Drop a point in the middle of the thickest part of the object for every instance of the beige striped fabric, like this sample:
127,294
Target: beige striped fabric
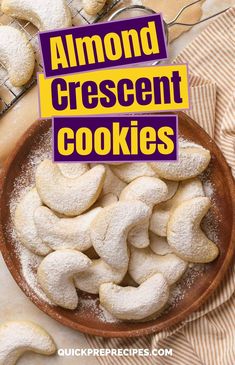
211,61
207,337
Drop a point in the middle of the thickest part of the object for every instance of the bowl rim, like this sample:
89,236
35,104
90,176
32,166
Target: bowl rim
152,328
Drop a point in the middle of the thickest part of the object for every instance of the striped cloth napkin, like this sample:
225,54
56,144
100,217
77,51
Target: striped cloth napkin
207,337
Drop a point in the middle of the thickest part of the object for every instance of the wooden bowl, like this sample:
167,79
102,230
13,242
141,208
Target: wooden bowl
86,320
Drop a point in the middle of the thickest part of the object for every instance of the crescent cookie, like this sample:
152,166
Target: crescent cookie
44,14
92,7
25,224
145,263
16,55
184,233
132,170
66,195
61,233
98,273
192,161
18,337
55,276
110,228
129,303
149,190
188,189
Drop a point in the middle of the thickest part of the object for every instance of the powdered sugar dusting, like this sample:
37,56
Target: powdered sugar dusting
106,316
90,304
177,293
29,262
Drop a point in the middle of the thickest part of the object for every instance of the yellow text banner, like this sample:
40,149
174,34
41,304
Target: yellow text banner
111,91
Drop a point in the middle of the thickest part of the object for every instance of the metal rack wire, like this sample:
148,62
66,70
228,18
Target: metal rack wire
9,94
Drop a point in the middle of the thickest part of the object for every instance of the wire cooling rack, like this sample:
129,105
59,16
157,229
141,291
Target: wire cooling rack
9,94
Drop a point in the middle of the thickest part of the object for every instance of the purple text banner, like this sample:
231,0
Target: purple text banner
103,45
115,138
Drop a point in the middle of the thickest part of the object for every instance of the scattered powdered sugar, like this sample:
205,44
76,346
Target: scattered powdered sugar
106,316
177,293
90,304
209,189
210,226
29,262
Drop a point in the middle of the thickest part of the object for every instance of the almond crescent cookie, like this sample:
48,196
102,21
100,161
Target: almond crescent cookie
185,235
192,161
55,275
18,337
188,189
145,263
149,190
110,229
61,233
44,14
16,55
129,303
66,195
